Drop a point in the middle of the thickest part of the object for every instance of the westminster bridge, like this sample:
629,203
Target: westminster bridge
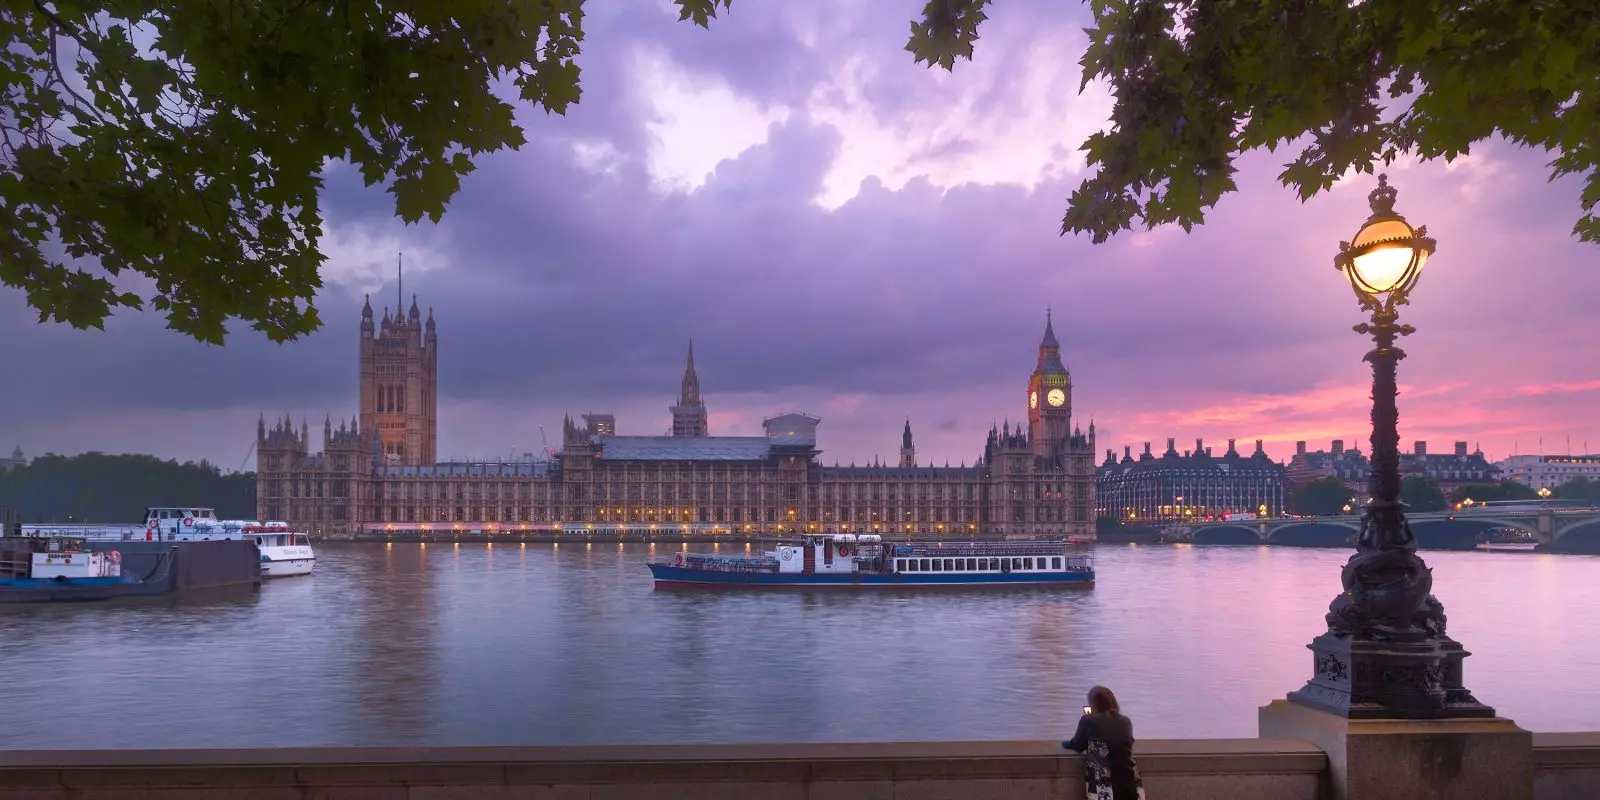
1573,530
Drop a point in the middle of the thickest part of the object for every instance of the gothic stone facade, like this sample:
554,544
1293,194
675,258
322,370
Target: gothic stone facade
1037,480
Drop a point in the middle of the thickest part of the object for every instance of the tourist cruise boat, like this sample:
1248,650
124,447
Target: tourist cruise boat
850,561
284,552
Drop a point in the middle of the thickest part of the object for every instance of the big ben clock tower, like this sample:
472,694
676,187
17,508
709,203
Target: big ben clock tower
1049,396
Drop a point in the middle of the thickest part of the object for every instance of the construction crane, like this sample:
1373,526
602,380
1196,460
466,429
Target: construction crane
546,441
247,455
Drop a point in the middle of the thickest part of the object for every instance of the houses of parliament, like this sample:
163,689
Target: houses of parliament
377,472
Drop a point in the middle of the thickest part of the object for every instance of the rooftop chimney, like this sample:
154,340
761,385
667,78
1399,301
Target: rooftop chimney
1338,447
1461,448
1421,448
1127,451
1199,446
1299,448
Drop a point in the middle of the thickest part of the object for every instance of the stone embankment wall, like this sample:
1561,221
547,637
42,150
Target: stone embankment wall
1567,766
1219,769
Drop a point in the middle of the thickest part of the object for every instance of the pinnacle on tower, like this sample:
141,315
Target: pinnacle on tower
1050,349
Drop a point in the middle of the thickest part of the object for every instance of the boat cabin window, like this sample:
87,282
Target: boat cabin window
1027,563
1055,563
925,566
299,540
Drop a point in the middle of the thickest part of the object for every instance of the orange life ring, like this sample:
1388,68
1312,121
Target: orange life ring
845,550
115,556
188,522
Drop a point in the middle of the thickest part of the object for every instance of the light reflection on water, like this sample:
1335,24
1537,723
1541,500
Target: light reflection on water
537,644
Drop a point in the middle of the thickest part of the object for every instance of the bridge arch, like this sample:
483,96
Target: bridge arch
1314,533
1462,532
1579,537
1241,533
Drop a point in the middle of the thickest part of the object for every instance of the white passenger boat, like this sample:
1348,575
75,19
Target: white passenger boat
284,551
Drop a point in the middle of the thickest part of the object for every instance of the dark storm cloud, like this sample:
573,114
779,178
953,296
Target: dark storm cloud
563,283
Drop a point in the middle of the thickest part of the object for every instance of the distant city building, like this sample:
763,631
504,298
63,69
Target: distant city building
1349,466
372,472
1193,485
16,461
1352,467
1450,470
1549,472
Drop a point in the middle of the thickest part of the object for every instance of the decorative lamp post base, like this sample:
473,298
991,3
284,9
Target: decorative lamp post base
1363,679
1386,655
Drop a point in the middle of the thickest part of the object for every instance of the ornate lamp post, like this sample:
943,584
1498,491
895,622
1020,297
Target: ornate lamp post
1386,655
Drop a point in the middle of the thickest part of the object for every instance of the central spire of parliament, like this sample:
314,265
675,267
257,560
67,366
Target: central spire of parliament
689,415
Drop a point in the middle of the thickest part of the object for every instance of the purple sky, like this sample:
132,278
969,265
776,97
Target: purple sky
849,234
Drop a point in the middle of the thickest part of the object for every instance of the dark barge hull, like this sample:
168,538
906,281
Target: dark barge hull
91,590
152,569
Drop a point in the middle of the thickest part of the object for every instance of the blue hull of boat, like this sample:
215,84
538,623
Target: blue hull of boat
669,576
76,590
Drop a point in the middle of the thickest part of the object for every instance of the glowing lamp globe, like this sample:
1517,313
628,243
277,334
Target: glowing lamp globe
1386,256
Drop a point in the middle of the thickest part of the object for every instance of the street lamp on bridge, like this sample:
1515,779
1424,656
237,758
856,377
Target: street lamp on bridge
1385,654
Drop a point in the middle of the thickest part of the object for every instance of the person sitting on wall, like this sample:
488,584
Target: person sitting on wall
1105,738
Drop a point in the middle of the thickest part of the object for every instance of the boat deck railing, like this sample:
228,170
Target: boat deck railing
721,563
979,549
92,533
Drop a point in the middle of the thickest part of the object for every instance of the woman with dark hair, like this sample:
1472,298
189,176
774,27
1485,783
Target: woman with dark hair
1105,738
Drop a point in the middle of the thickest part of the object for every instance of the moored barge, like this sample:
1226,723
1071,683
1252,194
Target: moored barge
60,570
849,561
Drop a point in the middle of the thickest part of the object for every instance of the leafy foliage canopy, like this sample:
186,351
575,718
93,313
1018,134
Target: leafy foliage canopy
181,144
115,489
1197,83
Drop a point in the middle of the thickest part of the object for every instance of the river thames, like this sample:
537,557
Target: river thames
541,644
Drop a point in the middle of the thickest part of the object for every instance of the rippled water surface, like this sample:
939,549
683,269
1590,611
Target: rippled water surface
540,644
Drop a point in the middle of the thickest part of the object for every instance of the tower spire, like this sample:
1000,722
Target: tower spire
690,396
689,415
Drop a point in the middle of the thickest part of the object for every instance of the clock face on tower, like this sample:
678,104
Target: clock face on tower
1033,399
1056,397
